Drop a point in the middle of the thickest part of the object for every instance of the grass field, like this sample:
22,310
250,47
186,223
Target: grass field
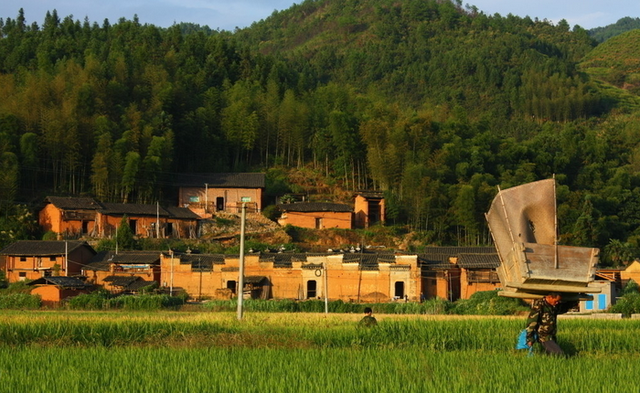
47,351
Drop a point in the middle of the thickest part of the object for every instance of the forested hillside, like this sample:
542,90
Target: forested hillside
434,103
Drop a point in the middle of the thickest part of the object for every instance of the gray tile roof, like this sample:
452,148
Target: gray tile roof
133,209
222,180
181,212
478,261
42,247
146,257
64,282
121,281
73,203
315,207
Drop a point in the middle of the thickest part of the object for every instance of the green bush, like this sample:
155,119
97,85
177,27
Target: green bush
488,303
20,301
627,304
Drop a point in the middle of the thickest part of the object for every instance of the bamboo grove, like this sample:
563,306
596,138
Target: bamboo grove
434,103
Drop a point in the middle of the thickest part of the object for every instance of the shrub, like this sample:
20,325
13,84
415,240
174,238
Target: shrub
488,303
20,301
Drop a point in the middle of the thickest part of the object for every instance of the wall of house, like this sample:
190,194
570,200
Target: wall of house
468,288
34,267
362,217
52,294
345,281
50,218
204,202
318,220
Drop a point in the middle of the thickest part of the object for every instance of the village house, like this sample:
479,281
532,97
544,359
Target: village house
454,273
52,290
72,217
125,271
33,259
210,193
69,217
369,209
316,215
352,277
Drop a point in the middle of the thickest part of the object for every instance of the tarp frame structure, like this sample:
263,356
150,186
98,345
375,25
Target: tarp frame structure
523,223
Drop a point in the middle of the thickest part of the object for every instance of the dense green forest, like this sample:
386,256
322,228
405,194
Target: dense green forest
433,103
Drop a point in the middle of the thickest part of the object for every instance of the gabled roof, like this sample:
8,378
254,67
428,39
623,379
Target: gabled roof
478,261
222,180
121,281
307,207
73,203
64,282
138,284
43,247
133,209
145,257
182,213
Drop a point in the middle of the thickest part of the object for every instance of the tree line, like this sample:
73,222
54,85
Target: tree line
430,102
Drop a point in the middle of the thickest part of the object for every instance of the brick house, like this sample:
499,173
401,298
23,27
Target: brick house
53,290
369,209
349,276
33,259
147,220
72,217
454,273
206,194
69,217
124,271
317,215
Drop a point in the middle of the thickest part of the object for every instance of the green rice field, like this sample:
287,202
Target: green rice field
66,351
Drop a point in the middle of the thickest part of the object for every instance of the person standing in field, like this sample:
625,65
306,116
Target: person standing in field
368,320
542,322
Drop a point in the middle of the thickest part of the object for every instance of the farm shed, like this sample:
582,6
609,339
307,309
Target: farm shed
52,290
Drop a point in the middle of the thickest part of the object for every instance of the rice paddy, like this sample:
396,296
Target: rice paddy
64,351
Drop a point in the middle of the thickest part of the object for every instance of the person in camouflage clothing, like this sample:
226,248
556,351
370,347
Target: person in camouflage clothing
542,322
369,320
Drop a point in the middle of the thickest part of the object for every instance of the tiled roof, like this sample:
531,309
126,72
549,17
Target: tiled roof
147,257
453,251
222,180
478,261
211,259
42,247
133,209
181,212
73,203
138,284
121,281
315,207
65,282
100,261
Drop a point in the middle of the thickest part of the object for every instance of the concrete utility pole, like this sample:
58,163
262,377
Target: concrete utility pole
240,289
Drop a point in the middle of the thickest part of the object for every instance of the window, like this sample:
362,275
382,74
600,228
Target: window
311,289
22,276
194,199
52,259
245,199
23,259
318,222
